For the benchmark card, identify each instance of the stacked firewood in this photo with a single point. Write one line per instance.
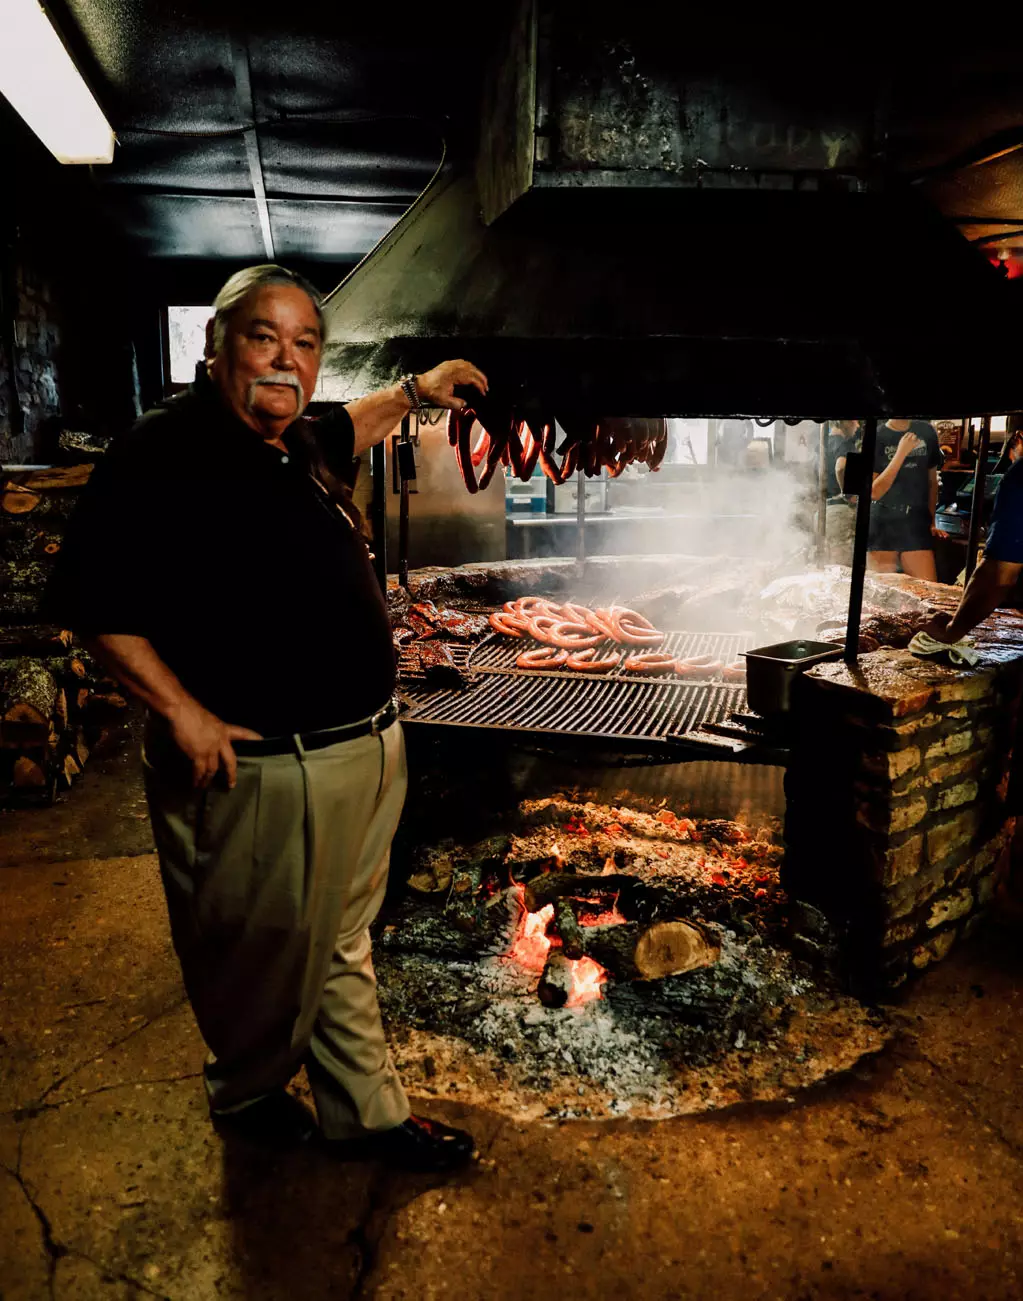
(55, 702)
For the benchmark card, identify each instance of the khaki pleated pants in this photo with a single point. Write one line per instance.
(271, 889)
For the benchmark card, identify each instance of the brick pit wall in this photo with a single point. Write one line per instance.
(897, 820)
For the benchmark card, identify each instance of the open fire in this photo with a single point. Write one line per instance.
(532, 949)
(570, 957)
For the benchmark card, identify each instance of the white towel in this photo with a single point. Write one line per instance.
(959, 653)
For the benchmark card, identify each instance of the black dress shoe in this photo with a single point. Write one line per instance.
(425, 1146)
(278, 1120)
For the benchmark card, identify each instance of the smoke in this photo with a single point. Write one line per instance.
(718, 538)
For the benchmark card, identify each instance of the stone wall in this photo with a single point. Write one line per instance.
(68, 291)
(37, 343)
(897, 821)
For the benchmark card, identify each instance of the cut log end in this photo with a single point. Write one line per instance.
(671, 948)
(17, 501)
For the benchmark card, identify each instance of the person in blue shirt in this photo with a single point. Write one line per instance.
(995, 577)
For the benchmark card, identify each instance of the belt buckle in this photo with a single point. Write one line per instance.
(380, 718)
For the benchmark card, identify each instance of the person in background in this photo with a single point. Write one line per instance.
(905, 496)
(999, 570)
(991, 586)
(840, 511)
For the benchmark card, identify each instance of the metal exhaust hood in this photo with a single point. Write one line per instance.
(635, 241)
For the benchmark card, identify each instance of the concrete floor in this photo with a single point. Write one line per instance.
(902, 1180)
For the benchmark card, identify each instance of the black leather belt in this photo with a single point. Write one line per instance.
(303, 741)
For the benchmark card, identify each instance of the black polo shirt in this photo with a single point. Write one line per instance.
(251, 585)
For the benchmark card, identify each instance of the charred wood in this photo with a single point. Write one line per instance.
(542, 890)
(464, 906)
(566, 924)
(555, 986)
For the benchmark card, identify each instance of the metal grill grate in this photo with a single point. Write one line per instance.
(617, 707)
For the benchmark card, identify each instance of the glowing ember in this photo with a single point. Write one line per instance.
(531, 945)
(611, 917)
(587, 978)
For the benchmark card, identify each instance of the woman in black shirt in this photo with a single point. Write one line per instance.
(905, 494)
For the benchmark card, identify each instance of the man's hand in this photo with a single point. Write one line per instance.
(437, 387)
(206, 742)
(908, 444)
(938, 628)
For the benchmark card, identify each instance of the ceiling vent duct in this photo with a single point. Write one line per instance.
(656, 231)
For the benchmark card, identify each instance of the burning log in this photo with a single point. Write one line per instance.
(464, 906)
(566, 923)
(635, 951)
(557, 980)
(542, 890)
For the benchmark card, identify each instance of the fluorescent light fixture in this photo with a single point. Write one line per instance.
(41, 81)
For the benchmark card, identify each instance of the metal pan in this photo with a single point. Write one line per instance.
(772, 671)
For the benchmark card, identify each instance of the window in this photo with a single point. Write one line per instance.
(186, 341)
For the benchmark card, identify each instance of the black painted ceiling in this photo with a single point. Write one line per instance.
(351, 104)
(352, 112)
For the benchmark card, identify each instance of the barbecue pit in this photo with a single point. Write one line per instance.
(563, 828)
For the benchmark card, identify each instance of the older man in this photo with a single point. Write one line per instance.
(216, 566)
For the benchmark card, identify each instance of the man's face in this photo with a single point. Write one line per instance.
(268, 363)
(849, 427)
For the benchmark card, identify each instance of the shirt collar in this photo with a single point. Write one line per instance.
(225, 420)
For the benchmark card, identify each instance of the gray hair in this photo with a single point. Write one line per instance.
(243, 282)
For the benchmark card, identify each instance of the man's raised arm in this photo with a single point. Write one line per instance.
(375, 415)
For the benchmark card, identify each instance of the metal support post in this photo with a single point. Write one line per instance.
(977, 502)
(822, 493)
(378, 515)
(580, 517)
(859, 563)
(403, 509)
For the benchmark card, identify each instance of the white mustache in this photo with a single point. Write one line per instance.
(276, 378)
